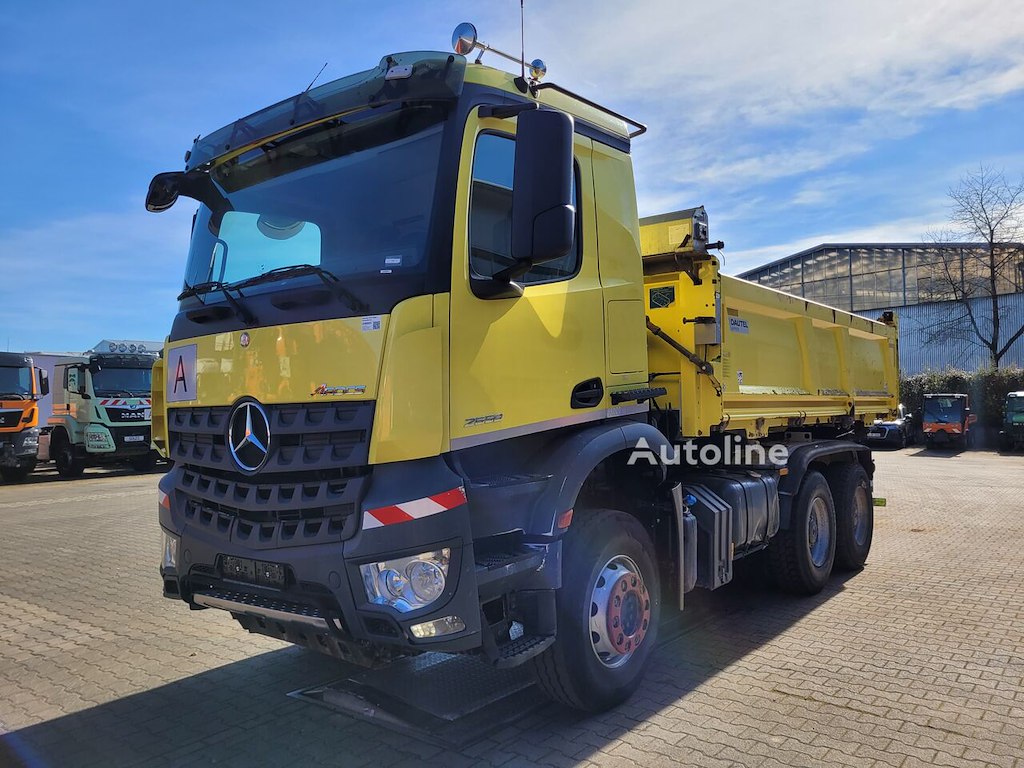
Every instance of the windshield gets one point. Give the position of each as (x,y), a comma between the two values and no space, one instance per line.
(15,381)
(123,382)
(352,195)
(943,410)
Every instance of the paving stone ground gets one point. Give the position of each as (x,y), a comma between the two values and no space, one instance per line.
(916,660)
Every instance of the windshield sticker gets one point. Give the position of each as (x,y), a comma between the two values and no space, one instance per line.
(393,261)
(371,323)
(181,374)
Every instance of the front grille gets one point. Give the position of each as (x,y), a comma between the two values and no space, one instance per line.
(127,415)
(10,417)
(307,492)
(304,437)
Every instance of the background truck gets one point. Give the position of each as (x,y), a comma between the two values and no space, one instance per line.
(21,386)
(946,419)
(433,387)
(1011,436)
(101,412)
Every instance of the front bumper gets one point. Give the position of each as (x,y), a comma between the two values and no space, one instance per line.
(19,448)
(322,601)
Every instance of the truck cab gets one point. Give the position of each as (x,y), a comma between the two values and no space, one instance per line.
(1011,435)
(946,420)
(21,386)
(102,409)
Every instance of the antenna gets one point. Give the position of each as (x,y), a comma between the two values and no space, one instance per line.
(522,40)
(320,73)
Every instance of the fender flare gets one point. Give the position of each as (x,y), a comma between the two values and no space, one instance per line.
(572,461)
(803,455)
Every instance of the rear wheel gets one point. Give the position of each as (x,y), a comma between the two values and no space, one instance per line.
(801,557)
(855,514)
(608,610)
(63,455)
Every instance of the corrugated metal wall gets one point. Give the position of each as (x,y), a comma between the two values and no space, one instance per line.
(957,350)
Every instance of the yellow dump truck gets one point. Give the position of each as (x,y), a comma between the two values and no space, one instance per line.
(433,386)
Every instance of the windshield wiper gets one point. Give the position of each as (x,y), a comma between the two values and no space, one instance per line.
(199,289)
(330,279)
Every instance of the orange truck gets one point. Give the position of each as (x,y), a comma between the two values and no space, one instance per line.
(21,386)
(946,419)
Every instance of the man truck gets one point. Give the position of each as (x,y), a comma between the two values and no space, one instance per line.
(432,386)
(101,412)
(21,386)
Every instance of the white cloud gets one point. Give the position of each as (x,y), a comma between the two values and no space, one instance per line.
(741,91)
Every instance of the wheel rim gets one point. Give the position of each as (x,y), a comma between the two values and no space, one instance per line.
(861,516)
(819,532)
(620,611)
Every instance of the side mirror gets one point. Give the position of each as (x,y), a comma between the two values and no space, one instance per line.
(95,367)
(971,418)
(543,217)
(44,382)
(163,191)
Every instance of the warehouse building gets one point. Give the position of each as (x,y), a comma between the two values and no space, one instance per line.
(921,283)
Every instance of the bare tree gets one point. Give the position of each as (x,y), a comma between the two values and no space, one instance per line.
(987,218)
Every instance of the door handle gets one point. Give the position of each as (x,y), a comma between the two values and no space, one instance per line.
(587,394)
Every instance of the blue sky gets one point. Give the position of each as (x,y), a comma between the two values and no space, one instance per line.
(794,122)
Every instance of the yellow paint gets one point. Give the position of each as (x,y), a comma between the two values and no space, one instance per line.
(784,362)
(286,363)
(409,420)
(620,269)
(158,422)
(515,362)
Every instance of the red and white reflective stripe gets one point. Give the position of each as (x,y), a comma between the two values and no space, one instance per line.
(122,401)
(415,509)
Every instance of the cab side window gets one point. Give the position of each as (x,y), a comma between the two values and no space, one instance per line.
(490,216)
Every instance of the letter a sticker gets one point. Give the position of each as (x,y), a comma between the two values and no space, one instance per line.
(181,374)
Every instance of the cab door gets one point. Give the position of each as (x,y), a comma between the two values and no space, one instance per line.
(535,362)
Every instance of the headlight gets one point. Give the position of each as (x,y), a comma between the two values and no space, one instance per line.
(170,556)
(407,583)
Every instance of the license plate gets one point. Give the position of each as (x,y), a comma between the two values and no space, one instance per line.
(253,571)
(240,568)
(134,438)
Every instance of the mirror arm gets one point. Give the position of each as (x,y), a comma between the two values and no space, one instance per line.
(502,111)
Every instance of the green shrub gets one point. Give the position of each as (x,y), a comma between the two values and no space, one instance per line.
(987,388)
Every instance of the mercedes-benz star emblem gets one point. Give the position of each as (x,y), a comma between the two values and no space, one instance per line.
(249,435)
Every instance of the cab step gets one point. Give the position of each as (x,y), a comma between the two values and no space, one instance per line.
(512,653)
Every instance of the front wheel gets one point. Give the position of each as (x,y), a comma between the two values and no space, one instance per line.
(608,611)
(18,473)
(144,463)
(801,557)
(68,465)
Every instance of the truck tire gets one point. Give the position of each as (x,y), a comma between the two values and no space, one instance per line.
(63,455)
(608,611)
(800,558)
(144,463)
(18,473)
(855,514)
